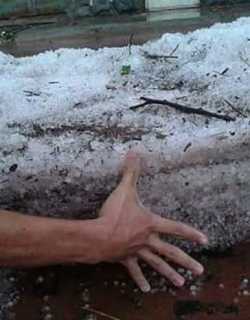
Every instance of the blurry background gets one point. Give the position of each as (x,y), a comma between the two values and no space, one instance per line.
(74,8)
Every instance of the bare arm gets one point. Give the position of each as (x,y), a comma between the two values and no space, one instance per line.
(34,241)
(125,232)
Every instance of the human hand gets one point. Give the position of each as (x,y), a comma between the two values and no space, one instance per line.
(133,232)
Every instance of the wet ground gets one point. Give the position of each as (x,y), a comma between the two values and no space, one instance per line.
(28,36)
(105,292)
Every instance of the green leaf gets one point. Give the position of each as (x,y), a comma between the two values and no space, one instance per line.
(126,69)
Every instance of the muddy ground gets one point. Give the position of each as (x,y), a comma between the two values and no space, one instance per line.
(67,293)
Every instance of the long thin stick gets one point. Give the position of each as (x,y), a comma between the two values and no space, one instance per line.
(182,108)
(100,313)
(235,109)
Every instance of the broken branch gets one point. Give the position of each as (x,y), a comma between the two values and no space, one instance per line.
(156,57)
(181,108)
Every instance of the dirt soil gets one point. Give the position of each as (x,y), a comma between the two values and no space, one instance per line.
(58,293)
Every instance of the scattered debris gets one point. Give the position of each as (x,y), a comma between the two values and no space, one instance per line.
(244,59)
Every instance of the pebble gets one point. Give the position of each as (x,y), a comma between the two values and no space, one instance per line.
(245,281)
(193,288)
(164,289)
(162,281)
(221,286)
(116,283)
(181,270)
(85,296)
(12,279)
(46,309)
(189,275)
(236,300)
(172,292)
(48,316)
(10,304)
(154,290)
(245,293)
(40,279)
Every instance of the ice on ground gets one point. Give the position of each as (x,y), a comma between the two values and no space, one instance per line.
(208,68)
(212,65)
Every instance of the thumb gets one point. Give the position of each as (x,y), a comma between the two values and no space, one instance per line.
(131,169)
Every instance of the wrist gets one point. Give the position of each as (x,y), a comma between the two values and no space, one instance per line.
(36,241)
(84,242)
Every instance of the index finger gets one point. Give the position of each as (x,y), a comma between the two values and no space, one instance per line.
(170,227)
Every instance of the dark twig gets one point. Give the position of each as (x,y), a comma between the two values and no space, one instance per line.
(155,56)
(100,313)
(224,71)
(182,108)
(187,146)
(175,49)
(235,109)
(130,43)
(31,93)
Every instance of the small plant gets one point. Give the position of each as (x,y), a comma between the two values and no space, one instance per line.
(6,36)
(126,69)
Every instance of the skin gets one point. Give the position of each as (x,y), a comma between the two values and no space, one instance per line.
(125,232)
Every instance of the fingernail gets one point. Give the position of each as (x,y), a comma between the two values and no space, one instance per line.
(199,269)
(179,282)
(146,288)
(204,240)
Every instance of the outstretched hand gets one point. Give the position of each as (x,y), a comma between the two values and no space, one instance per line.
(133,232)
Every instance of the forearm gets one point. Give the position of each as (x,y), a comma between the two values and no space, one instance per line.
(35,241)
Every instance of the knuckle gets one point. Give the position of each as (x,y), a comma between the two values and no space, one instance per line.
(149,224)
(172,252)
(179,228)
(157,263)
